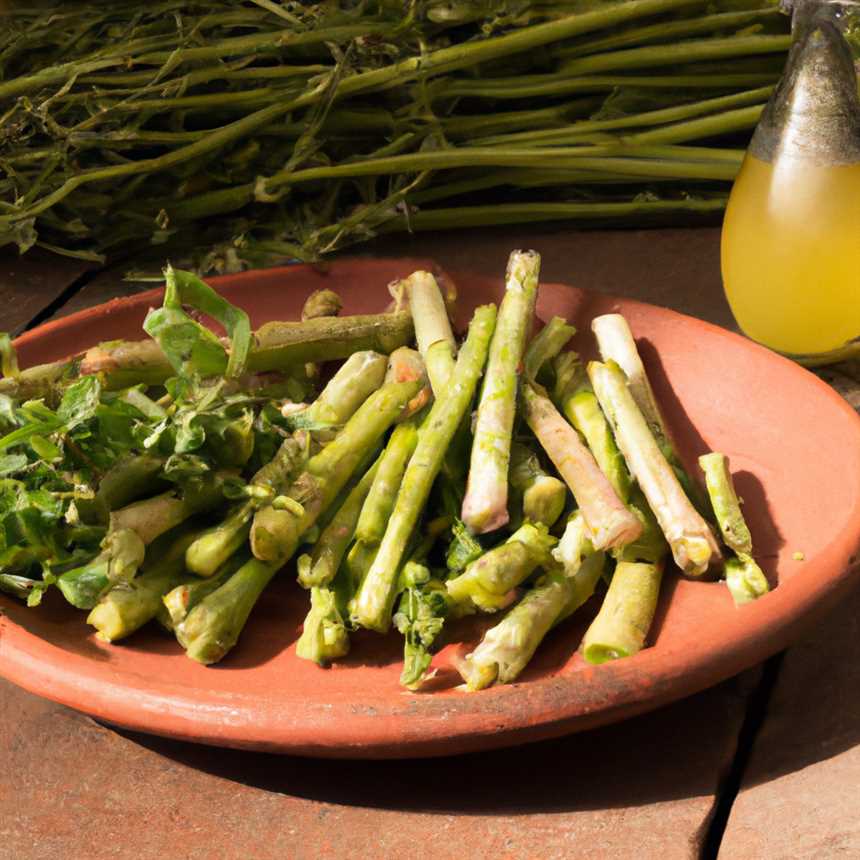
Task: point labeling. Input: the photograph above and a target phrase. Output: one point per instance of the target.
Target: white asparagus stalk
(609, 522)
(485, 506)
(692, 542)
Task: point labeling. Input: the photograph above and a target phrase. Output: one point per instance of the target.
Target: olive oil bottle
(791, 235)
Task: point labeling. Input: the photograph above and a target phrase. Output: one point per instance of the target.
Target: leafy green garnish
(192, 349)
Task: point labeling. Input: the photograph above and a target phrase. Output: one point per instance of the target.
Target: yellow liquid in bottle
(791, 254)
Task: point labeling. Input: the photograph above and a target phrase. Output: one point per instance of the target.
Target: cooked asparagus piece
(542, 497)
(275, 533)
(181, 599)
(625, 617)
(373, 603)
(489, 581)
(485, 506)
(615, 343)
(356, 379)
(275, 346)
(507, 648)
(432, 328)
(406, 365)
(214, 546)
(609, 521)
(321, 303)
(321, 566)
(546, 345)
(575, 399)
(745, 579)
(127, 480)
(213, 627)
(693, 545)
(324, 635)
(379, 503)
(129, 605)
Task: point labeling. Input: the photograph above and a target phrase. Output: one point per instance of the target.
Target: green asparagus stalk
(489, 581)
(745, 579)
(127, 480)
(507, 648)
(407, 365)
(693, 544)
(213, 627)
(546, 345)
(213, 547)
(180, 600)
(621, 627)
(373, 603)
(356, 379)
(575, 399)
(485, 504)
(275, 533)
(615, 342)
(379, 503)
(127, 606)
(542, 496)
(609, 521)
(324, 635)
(320, 567)
(432, 328)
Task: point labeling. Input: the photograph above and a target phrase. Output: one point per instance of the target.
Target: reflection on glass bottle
(791, 235)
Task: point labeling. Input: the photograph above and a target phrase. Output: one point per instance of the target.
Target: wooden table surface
(765, 765)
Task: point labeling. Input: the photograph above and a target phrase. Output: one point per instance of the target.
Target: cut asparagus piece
(215, 545)
(407, 365)
(127, 480)
(543, 497)
(489, 581)
(181, 599)
(745, 579)
(324, 635)
(127, 606)
(485, 506)
(609, 522)
(356, 379)
(321, 303)
(275, 533)
(379, 503)
(622, 624)
(693, 544)
(615, 343)
(575, 399)
(213, 627)
(321, 566)
(546, 345)
(432, 328)
(373, 603)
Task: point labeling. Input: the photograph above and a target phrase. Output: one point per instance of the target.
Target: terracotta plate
(793, 443)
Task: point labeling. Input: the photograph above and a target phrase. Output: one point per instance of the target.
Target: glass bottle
(791, 235)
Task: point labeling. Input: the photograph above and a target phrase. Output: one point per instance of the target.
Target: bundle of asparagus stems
(171, 479)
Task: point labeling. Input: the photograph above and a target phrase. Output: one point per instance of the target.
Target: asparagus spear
(324, 635)
(542, 496)
(356, 379)
(215, 545)
(213, 627)
(321, 566)
(615, 342)
(507, 648)
(379, 503)
(182, 598)
(609, 522)
(276, 345)
(485, 504)
(690, 538)
(745, 579)
(546, 345)
(275, 533)
(432, 328)
(489, 581)
(129, 605)
(373, 603)
(406, 365)
(575, 399)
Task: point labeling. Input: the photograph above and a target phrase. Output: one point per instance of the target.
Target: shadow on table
(677, 752)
